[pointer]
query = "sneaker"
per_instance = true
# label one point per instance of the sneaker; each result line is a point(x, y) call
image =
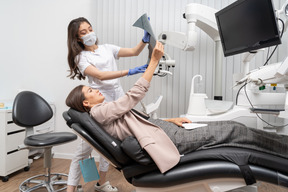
point(106, 187)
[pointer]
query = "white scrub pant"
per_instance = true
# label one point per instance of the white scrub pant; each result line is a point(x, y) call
point(83, 152)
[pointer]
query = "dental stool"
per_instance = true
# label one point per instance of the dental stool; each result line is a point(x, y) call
point(29, 110)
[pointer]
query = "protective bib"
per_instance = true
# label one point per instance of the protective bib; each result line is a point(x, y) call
point(89, 169)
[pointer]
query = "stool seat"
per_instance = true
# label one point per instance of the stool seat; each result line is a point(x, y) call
point(49, 139)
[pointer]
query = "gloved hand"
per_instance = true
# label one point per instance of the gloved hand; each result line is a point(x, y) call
point(146, 37)
point(140, 69)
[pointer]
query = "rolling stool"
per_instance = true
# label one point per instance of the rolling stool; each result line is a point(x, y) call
point(29, 110)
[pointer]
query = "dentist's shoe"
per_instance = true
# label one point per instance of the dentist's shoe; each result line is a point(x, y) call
point(106, 187)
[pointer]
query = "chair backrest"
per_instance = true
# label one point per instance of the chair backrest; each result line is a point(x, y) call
point(90, 130)
point(30, 109)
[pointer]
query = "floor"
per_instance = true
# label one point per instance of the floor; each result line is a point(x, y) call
point(114, 176)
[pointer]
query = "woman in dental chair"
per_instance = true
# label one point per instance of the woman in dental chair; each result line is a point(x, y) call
point(165, 140)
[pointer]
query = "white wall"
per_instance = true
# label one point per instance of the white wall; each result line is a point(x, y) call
point(33, 52)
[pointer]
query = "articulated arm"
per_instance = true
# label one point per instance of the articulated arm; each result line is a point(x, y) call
point(196, 15)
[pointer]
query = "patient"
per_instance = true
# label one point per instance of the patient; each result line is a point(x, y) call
point(165, 140)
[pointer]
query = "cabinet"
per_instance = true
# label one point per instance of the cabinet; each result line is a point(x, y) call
point(11, 136)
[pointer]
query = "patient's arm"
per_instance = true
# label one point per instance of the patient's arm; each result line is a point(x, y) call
point(157, 53)
point(106, 113)
point(178, 121)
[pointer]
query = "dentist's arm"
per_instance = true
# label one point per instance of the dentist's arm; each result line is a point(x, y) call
point(129, 52)
point(157, 54)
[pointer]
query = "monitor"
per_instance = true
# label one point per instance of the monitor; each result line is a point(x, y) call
point(247, 25)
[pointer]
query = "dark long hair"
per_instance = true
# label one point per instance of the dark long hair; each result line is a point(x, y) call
point(75, 99)
point(75, 47)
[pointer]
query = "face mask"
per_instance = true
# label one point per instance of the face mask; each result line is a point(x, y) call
point(89, 39)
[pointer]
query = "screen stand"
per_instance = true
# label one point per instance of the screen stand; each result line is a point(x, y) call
point(218, 71)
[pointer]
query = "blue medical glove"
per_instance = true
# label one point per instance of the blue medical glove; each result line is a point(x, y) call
point(140, 69)
point(146, 37)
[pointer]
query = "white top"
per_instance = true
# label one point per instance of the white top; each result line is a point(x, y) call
point(104, 59)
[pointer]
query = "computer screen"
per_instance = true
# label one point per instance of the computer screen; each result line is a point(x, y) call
point(247, 25)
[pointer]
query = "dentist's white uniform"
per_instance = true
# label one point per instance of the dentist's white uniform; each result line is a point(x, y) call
point(104, 59)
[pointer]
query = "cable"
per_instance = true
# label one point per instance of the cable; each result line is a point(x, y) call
point(283, 26)
point(239, 92)
point(268, 53)
point(282, 22)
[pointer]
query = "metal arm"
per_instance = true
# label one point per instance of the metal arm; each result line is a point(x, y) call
point(196, 15)
point(203, 17)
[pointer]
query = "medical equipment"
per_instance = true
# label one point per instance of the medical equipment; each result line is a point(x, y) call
point(197, 104)
point(203, 17)
point(242, 29)
point(151, 108)
point(255, 81)
point(164, 66)
point(210, 170)
point(283, 11)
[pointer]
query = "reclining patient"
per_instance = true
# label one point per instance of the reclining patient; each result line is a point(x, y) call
point(165, 140)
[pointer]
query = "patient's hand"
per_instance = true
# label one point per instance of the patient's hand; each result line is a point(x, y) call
point(179, 121)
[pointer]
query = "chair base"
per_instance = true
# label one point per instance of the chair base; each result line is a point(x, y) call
point(209, 185)
point(56, 183)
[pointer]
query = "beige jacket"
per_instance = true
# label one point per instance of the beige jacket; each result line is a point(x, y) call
point(117, 119)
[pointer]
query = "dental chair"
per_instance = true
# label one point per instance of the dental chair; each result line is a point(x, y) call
point(211, 170)
point(29, 110)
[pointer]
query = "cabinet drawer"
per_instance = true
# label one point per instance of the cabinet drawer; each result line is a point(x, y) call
point(12, 127)
point(16, 161)
point(13, 140)
point(9, 116)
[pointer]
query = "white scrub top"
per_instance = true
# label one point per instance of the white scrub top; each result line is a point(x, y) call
point(104, 59)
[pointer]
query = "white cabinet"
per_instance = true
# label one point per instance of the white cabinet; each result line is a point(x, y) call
point(11, 136)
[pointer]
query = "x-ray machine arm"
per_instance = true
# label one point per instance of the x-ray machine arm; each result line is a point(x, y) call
point(203, 17)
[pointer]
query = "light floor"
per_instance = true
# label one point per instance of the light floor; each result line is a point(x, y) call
point(114, 176)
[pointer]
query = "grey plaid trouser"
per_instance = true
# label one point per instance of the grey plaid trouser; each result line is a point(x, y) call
point(224, 133)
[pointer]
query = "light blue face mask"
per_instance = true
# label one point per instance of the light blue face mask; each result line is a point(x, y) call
point(89, 39)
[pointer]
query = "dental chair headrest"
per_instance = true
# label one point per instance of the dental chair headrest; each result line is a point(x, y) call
point(101, 136)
